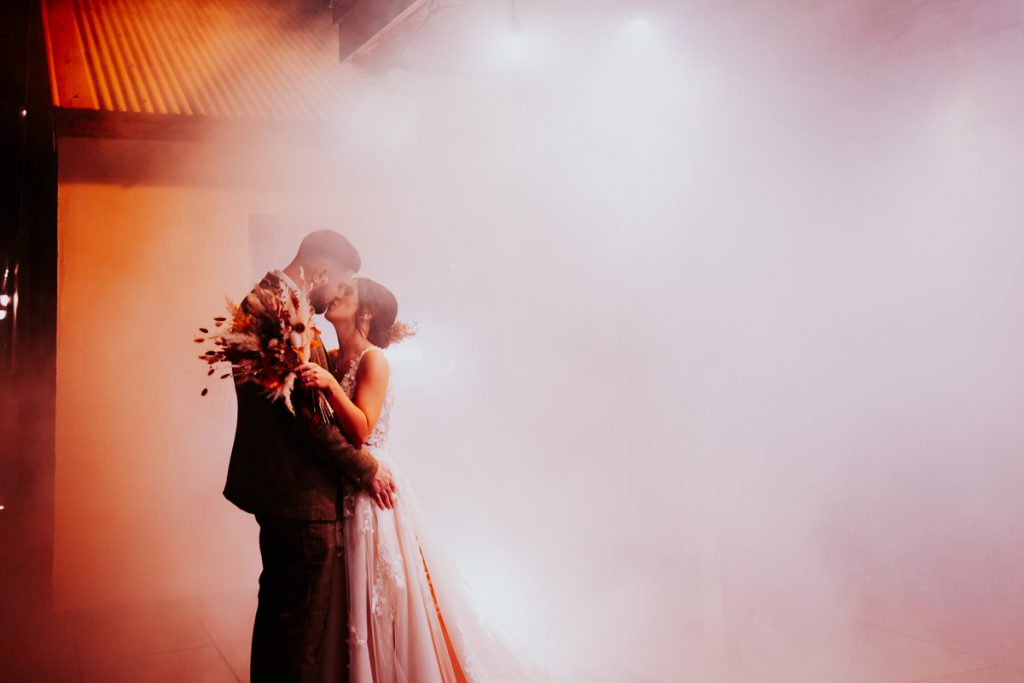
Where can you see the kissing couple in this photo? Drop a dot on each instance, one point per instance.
(351, 590)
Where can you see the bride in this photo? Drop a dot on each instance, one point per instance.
(410, 620)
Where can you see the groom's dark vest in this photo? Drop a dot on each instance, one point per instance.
(289, 466)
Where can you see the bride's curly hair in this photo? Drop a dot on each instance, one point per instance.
(377, 300)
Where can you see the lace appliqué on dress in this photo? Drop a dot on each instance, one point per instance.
(353, 637)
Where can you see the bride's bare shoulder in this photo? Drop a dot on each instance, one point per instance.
(374, 363)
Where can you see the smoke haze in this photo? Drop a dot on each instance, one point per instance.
(718, 373)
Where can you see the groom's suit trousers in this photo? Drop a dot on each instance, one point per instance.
(295, 588)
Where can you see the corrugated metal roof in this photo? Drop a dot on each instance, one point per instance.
(251, 59)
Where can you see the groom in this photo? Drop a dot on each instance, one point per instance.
(286, 470)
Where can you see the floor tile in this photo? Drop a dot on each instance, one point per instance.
(207, 638)
(38, 648)
(882, 655)
(844, 653)
(112, 634)
(990, 632)
(228, 618)
(194, 665)
(992, 674)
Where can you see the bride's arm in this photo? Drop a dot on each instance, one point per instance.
(357, 417)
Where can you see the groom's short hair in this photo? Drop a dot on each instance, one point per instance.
(327, 245)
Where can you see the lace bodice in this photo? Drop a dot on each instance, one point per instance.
(379, 437)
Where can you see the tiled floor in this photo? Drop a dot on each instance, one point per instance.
(206, 639)
(201, 640)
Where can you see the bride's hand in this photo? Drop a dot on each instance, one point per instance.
(312, 376)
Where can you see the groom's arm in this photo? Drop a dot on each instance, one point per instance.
(329, 445)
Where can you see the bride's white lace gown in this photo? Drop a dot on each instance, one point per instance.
(410, 618)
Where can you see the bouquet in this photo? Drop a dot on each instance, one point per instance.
(264, 341)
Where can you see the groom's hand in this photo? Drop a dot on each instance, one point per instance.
(382, 488)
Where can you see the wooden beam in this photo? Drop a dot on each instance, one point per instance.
(367, 23)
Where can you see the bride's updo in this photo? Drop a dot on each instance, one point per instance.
(381, 304)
